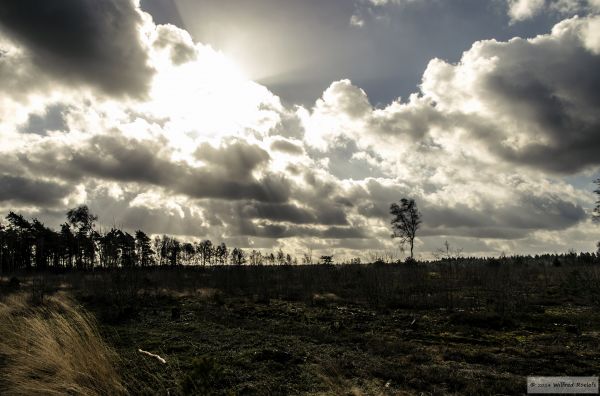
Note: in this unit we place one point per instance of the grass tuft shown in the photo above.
(53, 348)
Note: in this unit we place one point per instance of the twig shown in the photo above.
(163, 361)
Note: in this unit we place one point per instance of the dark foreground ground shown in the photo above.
(446, 328)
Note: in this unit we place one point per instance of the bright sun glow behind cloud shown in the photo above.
(207, 99)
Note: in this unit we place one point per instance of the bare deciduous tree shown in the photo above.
(406, 221)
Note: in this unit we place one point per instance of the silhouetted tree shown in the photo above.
(173, 251)
(206, 251)
(117, 248)
(68, 245)
(327, 259)
(159, 249)
(83, 222)
(45, 244)
(144, 250)
(307, 257)
(221, 253)
(255, 258)
(280, 257)
(127, 249)
(20, 241)
(189, 251)
(109, 249)
(237, 256)
(406, 221)
(167, 249)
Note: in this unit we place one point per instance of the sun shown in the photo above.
(205, 99)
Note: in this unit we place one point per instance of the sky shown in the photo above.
(272, 124)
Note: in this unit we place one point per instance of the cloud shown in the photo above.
(522, 106)
(524, 208)
(357, 21)
(235, 161)
(380, 3)
(343, 97)
(114, 157)
(207, 154)
(178, 41)
(21, 190)
(519, 10)
(279, 213)
(287, 146)
(83, 41)
(522, 10)
(52, 119)
(529, 101)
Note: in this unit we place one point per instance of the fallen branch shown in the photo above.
(163, 361)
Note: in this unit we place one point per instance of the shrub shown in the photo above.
(203, 377)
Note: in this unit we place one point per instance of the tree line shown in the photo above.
(27, 244)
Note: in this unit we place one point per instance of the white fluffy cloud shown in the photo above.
(521, 10)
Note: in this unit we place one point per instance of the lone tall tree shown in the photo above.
(406, 221)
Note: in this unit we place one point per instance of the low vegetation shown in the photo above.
(453, 326)
(49, 346)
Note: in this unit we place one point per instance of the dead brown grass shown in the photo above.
(53, 348)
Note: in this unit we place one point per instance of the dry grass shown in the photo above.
(53, 348)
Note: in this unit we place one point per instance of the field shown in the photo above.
(449, 327)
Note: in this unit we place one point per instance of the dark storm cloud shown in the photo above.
(512, 221)
(238, 160)
(204, 184)
(113, 157)
(556, 88)
(116, 158)
(324, 198)
(329, 213)
(83, 41)
(20, 190)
